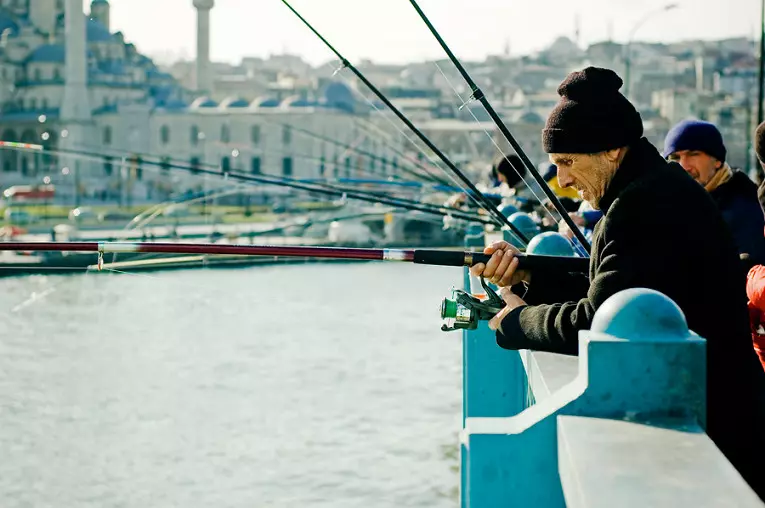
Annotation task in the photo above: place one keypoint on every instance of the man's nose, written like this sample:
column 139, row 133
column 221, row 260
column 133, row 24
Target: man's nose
column 683, row 161
column 564, row 178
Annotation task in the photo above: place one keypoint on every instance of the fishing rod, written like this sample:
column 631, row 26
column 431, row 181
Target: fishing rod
column 417, row 256
column 477, row 94
column 281, row 182
column 408, row 138
column 487, row 204
column 336, row 165
column 163, row 161
column 462, row 311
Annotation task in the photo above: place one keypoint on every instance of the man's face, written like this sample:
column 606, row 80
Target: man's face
column 589, row 174
column 700, row 165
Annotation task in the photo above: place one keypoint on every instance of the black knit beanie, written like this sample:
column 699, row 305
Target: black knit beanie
column 592, row 115
column 512, row 168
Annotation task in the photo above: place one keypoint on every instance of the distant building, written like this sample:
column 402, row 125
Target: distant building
column 67, row 81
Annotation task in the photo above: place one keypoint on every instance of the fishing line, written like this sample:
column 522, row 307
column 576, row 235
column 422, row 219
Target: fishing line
column 576, row 245
column 459, row 184
column 292, row 183
column 346, row 64
column 367, row 125
column 335, row 142
column 478, row 95
column 170, row 163
column 454, row 180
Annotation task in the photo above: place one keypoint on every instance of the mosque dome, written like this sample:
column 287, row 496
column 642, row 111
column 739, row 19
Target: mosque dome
column 295, row 101
column 203, row 102
column 7, row 23
column 48, row 53
column 264, row 102
column 339, row 95
column 233, row 102
column 97, row 32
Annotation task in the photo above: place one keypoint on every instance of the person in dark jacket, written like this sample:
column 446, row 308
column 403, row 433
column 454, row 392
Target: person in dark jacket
column 698, row 147
column 660, row 230
column 755, row 279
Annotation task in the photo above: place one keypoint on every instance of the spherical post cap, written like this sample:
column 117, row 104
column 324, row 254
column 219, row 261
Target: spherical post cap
column 641, row 314
column 550, row 243
column 509, row 210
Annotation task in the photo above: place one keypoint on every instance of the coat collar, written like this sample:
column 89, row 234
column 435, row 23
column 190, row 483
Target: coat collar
column 640, row 158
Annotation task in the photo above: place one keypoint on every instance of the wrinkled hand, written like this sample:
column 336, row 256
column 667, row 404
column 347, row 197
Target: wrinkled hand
column 512, row 301
column 502, row 267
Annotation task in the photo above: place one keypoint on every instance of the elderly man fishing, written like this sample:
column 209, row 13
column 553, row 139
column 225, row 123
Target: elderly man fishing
column 660, row 230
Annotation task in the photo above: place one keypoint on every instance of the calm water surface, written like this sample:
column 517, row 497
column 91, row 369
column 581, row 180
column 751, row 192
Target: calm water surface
column 326, row 385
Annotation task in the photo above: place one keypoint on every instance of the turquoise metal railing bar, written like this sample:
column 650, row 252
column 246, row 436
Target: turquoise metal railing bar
column 619, row 425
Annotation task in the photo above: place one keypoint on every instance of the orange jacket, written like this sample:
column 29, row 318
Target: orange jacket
column 755, row 290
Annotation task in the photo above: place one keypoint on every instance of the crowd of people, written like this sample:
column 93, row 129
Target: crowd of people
column 678, row 220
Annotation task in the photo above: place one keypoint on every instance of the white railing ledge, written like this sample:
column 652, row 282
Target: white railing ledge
column 605, row 463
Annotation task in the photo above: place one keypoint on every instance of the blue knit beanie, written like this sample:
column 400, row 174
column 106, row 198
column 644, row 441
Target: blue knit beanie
column 695, row 135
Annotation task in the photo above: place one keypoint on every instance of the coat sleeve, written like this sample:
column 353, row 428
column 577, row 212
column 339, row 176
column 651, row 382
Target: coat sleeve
column 555, row 327
column 553, row 287
column 745, row 221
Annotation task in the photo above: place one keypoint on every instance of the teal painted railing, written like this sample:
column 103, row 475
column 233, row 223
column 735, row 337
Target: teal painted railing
column 619, row 425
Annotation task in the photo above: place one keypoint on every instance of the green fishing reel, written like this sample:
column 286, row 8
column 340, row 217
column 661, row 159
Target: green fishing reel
column 463, row 311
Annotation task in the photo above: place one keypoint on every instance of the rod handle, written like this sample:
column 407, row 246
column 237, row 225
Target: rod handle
column 526, row 261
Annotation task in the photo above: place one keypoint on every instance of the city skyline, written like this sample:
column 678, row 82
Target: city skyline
column 391, row 32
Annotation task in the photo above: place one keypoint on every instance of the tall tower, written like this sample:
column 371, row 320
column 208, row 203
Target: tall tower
column 101, row 12
column 76, row 106
column 43, row 15
column 204, row 75
column 76, row 121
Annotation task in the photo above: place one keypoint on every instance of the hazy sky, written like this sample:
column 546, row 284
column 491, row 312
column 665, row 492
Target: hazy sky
column 390, row 31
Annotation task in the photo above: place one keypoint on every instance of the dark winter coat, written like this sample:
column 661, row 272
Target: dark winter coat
column 737, row 200
column 661, row 230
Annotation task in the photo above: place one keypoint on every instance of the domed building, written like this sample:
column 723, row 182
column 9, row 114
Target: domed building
column 117, row 104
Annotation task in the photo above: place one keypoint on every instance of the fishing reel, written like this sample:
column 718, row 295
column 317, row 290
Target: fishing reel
column 463, row 311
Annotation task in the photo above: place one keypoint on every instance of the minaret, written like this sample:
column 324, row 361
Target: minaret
column 76, row 119
column 204, row 76
column 76, row 106
column 100, row 10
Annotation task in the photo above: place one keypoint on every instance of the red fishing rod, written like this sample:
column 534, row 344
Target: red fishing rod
column 418, row 256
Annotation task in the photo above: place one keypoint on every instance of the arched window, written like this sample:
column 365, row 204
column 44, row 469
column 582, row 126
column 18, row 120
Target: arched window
column 225, row 134
column 194, row 135
column 225, row 164
column 164, row 134
column 38, row 75
column 287, row 135
column 195, row 163
column 108, row 166
column 255, row 134
column 107, row 135
column 255, row 166
column 287, row 166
